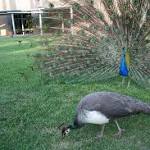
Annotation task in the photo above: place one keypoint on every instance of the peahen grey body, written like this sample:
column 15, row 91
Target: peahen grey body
column 101, row 107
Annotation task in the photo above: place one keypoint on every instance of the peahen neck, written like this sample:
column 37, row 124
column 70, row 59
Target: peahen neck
column 72, row 126
column 75, row 124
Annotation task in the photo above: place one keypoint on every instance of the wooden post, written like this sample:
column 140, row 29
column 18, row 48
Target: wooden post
column 22, row 25
column 71, row 18
column 13, row 24
column 40, row 23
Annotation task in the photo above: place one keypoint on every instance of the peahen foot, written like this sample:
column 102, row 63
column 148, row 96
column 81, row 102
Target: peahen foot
column 100, row 135
column 119, row 133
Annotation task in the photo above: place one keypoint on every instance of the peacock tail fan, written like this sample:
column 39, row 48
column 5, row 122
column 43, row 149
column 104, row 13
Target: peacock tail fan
column 100, row 30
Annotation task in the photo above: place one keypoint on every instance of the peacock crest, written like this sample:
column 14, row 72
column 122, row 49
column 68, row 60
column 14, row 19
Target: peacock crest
column 107, row 41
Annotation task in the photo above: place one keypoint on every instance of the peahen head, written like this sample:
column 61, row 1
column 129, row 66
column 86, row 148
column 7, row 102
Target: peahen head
column 65, row 130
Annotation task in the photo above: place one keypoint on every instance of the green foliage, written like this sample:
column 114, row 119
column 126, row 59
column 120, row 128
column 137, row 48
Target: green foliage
column 29, row 22
column 51, row 5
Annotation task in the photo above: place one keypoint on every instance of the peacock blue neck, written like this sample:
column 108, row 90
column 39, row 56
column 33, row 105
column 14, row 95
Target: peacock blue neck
column 123, row 70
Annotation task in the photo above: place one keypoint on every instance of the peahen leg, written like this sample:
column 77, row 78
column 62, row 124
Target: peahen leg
column 120, row 131
column 102, row 132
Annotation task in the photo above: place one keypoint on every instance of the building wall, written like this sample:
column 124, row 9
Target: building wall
column 6, row 5
column 58, row 3
column 22, row 4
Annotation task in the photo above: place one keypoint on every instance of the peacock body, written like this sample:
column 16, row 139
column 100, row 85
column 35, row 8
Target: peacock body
column 104, row 44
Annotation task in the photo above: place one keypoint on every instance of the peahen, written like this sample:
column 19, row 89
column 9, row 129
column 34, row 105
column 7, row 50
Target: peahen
column 104, row 44
column 102, row 107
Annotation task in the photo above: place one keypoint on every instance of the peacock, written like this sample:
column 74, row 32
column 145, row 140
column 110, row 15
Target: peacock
column 107, row 42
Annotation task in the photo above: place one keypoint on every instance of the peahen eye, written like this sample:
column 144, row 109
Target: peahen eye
column 67, row 131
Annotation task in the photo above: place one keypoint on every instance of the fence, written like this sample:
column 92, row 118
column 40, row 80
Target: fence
column 37, row 22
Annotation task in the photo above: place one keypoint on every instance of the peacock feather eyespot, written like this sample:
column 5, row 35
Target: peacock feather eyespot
column 98, row 39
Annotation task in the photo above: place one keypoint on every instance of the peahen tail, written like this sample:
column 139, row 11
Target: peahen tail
column 138, row 106
column 143, row 107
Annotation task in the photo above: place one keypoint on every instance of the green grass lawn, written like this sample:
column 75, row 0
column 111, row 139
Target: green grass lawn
column 31, row 110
